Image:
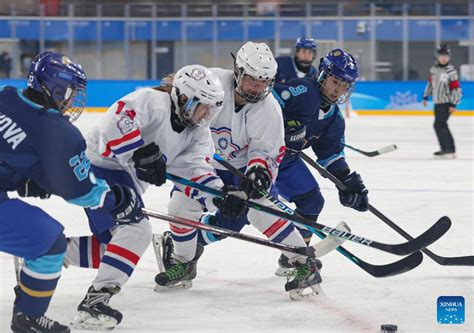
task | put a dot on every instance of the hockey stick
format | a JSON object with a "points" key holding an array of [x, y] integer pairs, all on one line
{"points": [[428, 237], [445, 261], [306, 251], [377, 152], [398, 267]]}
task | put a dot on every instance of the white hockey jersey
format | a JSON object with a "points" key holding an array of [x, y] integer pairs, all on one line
{"points": [[253, 135], [143, 117]]}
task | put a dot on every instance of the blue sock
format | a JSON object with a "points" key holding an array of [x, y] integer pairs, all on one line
{"points": [[38, 280]]}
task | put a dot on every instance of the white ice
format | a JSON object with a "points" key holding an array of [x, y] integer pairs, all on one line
{"points": [[236, 290]]}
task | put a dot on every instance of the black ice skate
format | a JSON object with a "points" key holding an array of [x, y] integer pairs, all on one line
{"points": [[23, 323], [285, 268], [445, 154], [95, 312], [304, 276], [173, 273]]}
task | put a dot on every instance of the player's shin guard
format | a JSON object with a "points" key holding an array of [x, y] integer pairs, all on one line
{"points": [[128, 243], [38, 280]]}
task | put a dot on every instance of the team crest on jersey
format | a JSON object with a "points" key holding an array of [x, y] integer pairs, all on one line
{"points": [[125, 124], [285, 94], [225, 147], [198, 74]]}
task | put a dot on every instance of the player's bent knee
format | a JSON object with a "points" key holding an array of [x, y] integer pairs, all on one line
{"points": [[183, 206], [309, 203], [52, 260]]}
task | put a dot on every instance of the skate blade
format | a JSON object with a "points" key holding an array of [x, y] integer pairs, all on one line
{"points": [[85, 321], [179, 286], [157, 242], [445, 157], [302, 293], [283, 272]]}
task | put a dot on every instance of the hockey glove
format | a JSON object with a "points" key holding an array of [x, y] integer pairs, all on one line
{"points": [[31, 189], [256, 179], [232, 205], [356, 196], [295, 133], [150, 165], [128, 208]]}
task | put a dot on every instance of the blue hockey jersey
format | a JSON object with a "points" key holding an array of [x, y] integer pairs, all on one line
{"points": [[44, 146], [300, 100], [287, 70]]}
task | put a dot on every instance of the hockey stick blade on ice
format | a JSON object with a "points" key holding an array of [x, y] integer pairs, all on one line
{"points": [[398, 267], [420, 242], [445, 261], [306, 251], [377, 152]]}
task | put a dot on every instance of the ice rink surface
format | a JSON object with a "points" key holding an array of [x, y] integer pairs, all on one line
{"points": [[236, 289]]}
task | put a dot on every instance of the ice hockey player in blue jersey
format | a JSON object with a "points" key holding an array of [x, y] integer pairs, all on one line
{"points": [[313, 119], [43, 154], [300, 65]]}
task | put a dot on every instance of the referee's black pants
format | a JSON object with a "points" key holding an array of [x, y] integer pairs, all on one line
{"points": [[445, 138]]}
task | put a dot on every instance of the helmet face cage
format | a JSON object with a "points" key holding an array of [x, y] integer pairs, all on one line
{"points": [[343, 84], [73, 106], [252, 96], [189, 110]]}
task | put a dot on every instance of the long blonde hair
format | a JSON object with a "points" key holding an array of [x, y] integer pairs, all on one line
{"points": [[166, 84]]}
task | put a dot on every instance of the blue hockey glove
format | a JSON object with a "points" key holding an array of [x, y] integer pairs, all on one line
{"points": [[232, 205], [356, 196], [128, 208], [150, 164], [31, 189], [295, 133], [256, 179]]}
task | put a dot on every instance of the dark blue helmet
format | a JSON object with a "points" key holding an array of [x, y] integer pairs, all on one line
{"points": [[342, 66], [61, 82], [443, 49], [305, 43]]}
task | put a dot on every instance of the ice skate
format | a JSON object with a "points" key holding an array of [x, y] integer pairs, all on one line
{"points": [[173, 273], [304, 280], [94, 311], [23, 323]]}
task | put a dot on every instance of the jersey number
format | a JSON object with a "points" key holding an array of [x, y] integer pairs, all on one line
{"points": [[81, 165]]}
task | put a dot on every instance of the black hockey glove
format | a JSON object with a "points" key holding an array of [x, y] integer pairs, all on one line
{"points": [[256, 179], [150, 165], [128, 208], [31, 189], [295, 133], [232, 205], [356, 196]]}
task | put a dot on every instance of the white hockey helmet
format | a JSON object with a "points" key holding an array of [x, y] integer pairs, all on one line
{"points": [[195, 85], [255, 61]]}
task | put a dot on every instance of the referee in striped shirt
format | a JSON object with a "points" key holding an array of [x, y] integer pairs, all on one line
{"points": [[443, 85]]}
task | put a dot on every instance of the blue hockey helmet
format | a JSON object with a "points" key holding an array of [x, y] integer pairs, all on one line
{"points": [[305, 43], [61, 81], [342, 67]]}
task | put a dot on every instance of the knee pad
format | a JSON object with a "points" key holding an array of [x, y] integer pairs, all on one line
{"points": [[183, 206], [309, 203], [51, 261]]}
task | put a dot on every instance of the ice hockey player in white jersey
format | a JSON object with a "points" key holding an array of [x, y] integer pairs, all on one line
{"points": [[142, 136], [249, 134]]}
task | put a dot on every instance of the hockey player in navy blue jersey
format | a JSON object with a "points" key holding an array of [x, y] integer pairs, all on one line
{"points": [[301, 64], [313, 119], [42, 153]]}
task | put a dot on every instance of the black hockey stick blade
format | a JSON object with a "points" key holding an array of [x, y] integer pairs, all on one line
{"points": [[377, 152], [450, 261], [395, 268], [431, 235], [306, 251]]}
